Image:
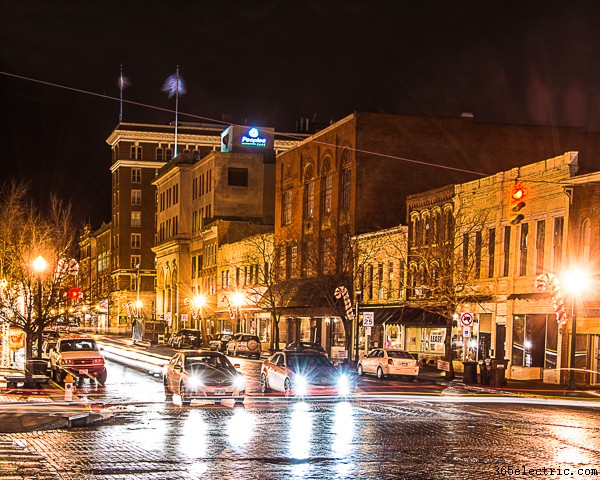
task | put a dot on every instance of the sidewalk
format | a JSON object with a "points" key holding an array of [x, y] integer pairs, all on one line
{"points": [[44, 408]]}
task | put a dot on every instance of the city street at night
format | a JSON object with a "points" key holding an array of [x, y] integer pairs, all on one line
{"points": [[367, 436]]}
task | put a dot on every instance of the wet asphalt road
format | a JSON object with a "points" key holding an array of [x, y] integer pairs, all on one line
{"points": [[272, 438]]}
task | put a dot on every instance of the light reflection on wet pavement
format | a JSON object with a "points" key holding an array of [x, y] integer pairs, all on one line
{"points": [[151, 438]]}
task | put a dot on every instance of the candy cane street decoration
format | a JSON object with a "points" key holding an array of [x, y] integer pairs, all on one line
{"points": [[229, 306], [548, 281], [342, 292]]}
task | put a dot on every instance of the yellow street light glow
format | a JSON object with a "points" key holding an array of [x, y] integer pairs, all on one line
{"points": [[138, 304], [40, 264], [237, 299], [576, 280], [199, 301]]}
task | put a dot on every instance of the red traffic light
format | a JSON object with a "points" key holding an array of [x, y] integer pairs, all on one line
{"points": [[74, 293]]}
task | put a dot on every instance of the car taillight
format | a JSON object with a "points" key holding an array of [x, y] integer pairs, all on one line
{"points": [[390, 361], [66, 361], [98, 361]]}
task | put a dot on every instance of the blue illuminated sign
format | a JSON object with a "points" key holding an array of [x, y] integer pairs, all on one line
{"points": [[253, 139]]}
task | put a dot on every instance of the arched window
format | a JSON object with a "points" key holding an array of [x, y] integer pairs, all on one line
{"points": [[326, 186], [586, 240], [345, 179], [309, 191]]}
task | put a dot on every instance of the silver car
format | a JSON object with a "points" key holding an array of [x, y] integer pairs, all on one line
{"points": [[205, 375]]}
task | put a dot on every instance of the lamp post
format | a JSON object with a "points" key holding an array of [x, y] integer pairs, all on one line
{"points": [[39, 266], [575, 281], [356, 327], [238, 300], [199, 302]]}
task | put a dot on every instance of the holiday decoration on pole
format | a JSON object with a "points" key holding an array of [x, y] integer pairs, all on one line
{"points": [[549, 281], [229, 306], [342, 292]]}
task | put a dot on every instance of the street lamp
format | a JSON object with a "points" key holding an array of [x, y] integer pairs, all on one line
{"points": [[199, 303], [237, 299], [575, 281], [39, 266]]}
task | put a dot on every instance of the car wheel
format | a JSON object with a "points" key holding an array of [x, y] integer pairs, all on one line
{"points": [[101, 378], [264, 386], [360, 370], [168, 392], [235, 354], [185, 400], [287, 387], [380, 374]]}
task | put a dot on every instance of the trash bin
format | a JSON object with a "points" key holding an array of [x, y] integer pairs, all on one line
{"points": [[498, 372], [484, 371], [470, 372], [37, 367]]}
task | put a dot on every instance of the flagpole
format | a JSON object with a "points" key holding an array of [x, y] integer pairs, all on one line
{"points": [[121, 95], [176, 105]]}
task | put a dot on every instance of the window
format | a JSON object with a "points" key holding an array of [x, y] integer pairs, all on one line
{"points": [[136, 261], [380, 281], [136, 197], [309, 192], [534, 341], [465, 251], [168, 153], [136, 219], [557, 242], [506, 252], [326, 186], [136, 175], [370, 282], [478, 245], [326, 263], [307, 264], [346, 180], [175, 194], [586, 239], [390, 292], [491, 251], [237, 177], [159, 154], [291, 253], [286, 208], [194, 266], [540, 241], [136, 153], [136, 240], [523, 249]]}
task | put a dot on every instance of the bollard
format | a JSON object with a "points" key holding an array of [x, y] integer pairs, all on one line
{"points": [[69, 388]]}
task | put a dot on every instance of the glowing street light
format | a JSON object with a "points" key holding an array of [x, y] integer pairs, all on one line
{"points": [[575, 281], [237, 300]]}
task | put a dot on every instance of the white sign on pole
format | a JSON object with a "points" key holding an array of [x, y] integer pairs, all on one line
{"points": [[367, 330], [466, 319], [184, 317], [368, 319]]}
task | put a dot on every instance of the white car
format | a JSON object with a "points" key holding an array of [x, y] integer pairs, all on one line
{"points": [[382, 363]]}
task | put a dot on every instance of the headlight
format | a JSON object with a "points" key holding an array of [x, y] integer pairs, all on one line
{"points": [[194, 382], [300, 385], [239, 382], [343, 385]]}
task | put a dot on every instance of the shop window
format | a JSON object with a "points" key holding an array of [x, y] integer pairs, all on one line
{"points": [[529, 347]]}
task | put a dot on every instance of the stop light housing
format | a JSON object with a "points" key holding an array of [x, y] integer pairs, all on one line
{"points": [[74, 293], [518, 194]]}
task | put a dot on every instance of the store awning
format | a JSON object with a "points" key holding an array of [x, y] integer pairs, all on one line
{"points": [[528, 296], [409, 316]]}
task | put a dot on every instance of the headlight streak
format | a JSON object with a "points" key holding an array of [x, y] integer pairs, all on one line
{"points": [[343, 385], [239, 382], [194, 435], [343, 429], [148, 363], [241, 428], [300, 385], [300, 431]]}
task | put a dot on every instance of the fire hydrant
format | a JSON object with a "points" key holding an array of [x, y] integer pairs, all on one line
{"points": [[69, 388]]}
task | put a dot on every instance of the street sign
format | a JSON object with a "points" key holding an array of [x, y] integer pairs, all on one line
{"points": [[184, 317], [368, 319], [466, 319], [467, 332], [367, 330]]}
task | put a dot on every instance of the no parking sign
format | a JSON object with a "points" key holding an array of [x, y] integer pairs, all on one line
{"points": [[466, 319]]}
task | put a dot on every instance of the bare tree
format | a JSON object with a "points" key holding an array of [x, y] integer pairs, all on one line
{"points": [[30, 298]]}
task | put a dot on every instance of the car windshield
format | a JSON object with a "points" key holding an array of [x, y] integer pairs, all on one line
{"points": [[306, 362], [77, 345], [201, 361], [398, 354]]}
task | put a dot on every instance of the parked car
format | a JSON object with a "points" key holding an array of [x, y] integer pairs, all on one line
{"points": [[203, 374], [303, 373], [383, 362], [220, 341], [186, 338], [78, 356], [244, 344], [306, 347]]}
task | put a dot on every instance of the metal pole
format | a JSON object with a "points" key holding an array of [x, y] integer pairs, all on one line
{"points": [[573, 345], [356, 328]]}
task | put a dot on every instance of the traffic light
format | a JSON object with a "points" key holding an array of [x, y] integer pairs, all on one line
{"points": [[74, 293], [517, 196]]}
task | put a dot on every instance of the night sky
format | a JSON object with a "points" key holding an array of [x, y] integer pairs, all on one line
{"points": [[271, 63]]}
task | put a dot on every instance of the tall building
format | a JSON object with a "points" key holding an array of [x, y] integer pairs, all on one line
{"points": [[139, 151]]}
